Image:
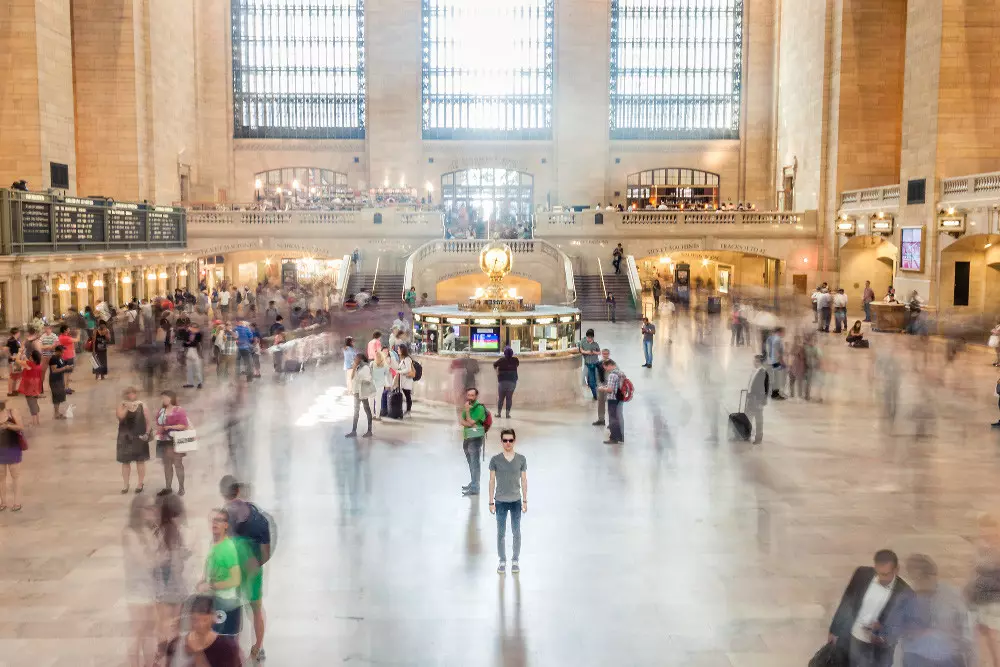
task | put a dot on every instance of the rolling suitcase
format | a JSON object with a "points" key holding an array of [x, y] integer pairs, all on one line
{"points": [[738, 421], [396, 404]]}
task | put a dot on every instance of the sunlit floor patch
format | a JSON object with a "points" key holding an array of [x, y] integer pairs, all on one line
{"points": [[332, 406]]}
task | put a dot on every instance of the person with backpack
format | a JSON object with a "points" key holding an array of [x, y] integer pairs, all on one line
{"points": [[475, 420], [253, 532], [406, 375], [619, 390]]}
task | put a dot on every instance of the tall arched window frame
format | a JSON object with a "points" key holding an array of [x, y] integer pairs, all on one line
{"points": [[488, 69], [676, 69], [298, 69]]}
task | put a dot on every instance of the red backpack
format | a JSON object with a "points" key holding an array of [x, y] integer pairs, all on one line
{"points": [[488, 422], [625, 391]]}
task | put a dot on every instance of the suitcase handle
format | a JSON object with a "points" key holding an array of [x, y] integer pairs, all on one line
{"points": [[744, 395]]}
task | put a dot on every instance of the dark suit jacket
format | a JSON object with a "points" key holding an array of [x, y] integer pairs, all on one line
{"points": [[850, 605]]}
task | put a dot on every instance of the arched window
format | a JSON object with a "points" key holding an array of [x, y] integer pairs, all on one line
{"points": [[495, 195], [676, 69], [673, 187]]}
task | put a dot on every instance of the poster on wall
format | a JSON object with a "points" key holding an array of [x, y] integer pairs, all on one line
{"points": [[911, 248]]}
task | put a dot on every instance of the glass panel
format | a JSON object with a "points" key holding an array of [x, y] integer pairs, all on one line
{"points": [[298, 69], [487, 68], [676, 69]]}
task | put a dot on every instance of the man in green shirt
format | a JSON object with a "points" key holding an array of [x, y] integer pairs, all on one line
{"points": [[223, 577], [473, 433]]}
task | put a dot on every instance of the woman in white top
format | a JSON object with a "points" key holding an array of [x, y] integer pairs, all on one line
{"points": [[404, 375], [363, 388], [380, 375]]}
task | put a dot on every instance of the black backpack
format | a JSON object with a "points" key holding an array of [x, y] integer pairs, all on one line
{"points": [[418, 371]]}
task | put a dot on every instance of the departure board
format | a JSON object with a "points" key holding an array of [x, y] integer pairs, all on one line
{"points": [[35, 222], [126, 224]]}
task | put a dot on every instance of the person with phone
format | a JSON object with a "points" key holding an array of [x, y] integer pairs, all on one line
{"points": [[472, 419], [508, 495]]}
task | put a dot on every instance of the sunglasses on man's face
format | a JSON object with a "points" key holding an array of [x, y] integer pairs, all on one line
{"points": [[507, 440]]}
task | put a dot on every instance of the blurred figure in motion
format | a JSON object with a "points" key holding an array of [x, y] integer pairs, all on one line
{"points": [[814, 366], [889, 376], [935, 621], [202, 646], [776, 362], [380, 378], [170, 556], [797, 367], [235, 424], [506, 368], [139, 548], [983, 591], [757, 395], [868, 620], [193, 362]]}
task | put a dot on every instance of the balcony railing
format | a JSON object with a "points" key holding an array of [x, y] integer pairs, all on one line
{"points": [[882, 197], [981, 188], [604, 223], [366, 222]]}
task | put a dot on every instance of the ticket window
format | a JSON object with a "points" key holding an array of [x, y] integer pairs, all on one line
{"points": [[555, 336], [517, 337]]}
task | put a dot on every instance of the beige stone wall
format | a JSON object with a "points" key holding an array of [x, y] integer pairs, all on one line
{"points": [[213, 68], [55, 88]]}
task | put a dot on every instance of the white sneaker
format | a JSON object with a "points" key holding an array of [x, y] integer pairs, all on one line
{"points": [[515, 567], [502, 567]]}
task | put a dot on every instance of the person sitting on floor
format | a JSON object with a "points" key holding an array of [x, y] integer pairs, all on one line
{"points": [[854, 335]]}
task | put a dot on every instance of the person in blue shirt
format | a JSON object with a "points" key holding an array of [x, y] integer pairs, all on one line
{"points": [[244, 345], [349, 354]]}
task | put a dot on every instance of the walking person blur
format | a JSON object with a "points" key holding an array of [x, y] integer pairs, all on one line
{"points": [[380, 378], [170, 554], [349, 354], [611, 388], [797, 367], [591, 350], [202, 646], [139, 543], [776, 362], [935, 620], [824, 303], [11, 454], [609, 301], [648, 331], [602, 396], [223, 577], [363, 388], [169, 418], [994, 341], [472, 419], [656, 293], [193, 362], [133, 438], [13, 370], [508, 495], [506, 368], [59, 370], [101, 340], [983, 590], [866, 300]]}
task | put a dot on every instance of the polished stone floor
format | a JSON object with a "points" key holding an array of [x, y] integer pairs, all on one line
{"points": [[674, 549]]}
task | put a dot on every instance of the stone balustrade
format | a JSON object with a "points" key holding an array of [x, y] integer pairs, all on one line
{"points": [[882, 198], [363, 223], [974, 189], [626, 224]]}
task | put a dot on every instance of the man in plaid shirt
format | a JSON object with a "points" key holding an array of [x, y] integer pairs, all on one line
{"points": [[225, 341], [613, 382]]}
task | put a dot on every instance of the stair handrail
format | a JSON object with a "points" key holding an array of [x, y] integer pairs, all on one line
{"points": [[375, 278], [343, 278], [635, 285], [570, 279], [600, 271]]}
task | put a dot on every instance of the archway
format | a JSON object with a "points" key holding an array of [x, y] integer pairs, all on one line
{"points": [[970, 277], [301, 187], [676, 187], [476, 197], [866, 258], [718, 272]]}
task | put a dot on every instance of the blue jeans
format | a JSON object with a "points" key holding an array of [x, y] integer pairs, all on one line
{"points": [[514, 508], [473, 447], [592, 378], [868, 311], [840, 318], [647, 349], [616, 422]]}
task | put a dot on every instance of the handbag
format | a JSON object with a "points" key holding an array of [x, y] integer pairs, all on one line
{"points": [[828, 656], [22, 441], [94, 363], [185, 441]]}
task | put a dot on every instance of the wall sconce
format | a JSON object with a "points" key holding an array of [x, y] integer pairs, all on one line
{"points": [[183, 273], [82, 284], [163, 274], [98, 283], [63, 287], [257, 184], [151, 276], [126, 279]]}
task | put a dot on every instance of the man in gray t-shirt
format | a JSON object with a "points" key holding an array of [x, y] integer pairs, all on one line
{"points": [[508, 495], [648, 330]]}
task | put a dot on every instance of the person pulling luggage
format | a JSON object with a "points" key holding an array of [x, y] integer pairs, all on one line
{"points": [[757, 394]]}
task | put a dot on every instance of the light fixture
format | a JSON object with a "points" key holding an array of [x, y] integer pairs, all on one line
{"points": [[843, 216], [267, 262], [430, 187], [881, 215], [295, 184], [126, 279], [312, 191], [664, 260], [82, 284], [98, 283], [987, 246], [951, 210], [704, 262], [151, 276], [183, 272], [805, 260], [63, 287], [163, 274], [257, 184]]}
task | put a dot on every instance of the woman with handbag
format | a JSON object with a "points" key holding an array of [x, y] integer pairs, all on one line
{"points": [[404, 375], [12, 445], [133, 438], [170, 418], [31, 384], [994, 342]]}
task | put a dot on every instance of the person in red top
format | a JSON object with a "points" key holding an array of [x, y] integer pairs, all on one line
{"points": [[31, 383], [69, 350]]}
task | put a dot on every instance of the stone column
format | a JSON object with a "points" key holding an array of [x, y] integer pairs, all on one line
{"points": [[47, 297]]}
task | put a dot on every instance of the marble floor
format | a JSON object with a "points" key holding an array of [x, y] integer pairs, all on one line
{"points": [[674, 549]]}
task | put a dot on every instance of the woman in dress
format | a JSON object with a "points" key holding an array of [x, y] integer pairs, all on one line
{"points": [[101, 341], [404, 375], [139, 549], [31, 384], [58, 370], [133, 438], [170, 417], [10, 458]]}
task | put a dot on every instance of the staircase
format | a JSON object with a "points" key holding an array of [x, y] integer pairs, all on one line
{"points": [[388, 288], [590, 296]]}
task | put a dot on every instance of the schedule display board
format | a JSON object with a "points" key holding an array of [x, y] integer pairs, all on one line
{"points": [[40, 223]]}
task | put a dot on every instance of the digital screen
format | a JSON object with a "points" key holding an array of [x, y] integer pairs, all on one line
{"points": [[486, 339], [911, 248]]}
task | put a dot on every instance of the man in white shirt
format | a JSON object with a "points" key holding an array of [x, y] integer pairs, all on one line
{"points": [[224, 303], [840, 310], [867, 623], [823, 305], [815, 303]]}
